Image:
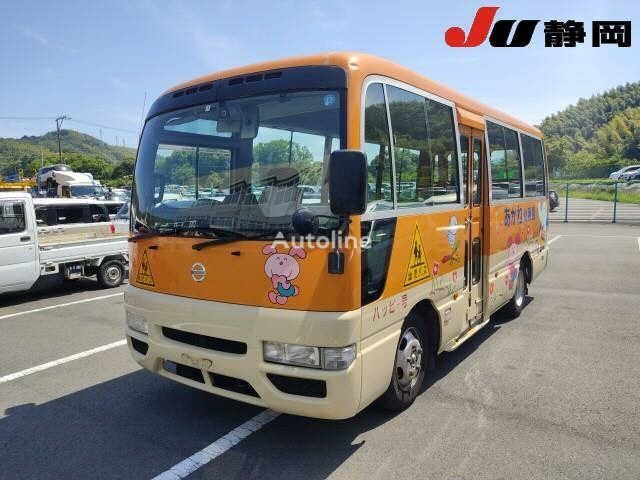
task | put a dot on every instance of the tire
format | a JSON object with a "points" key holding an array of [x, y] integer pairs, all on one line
{"points": [[110, 274], [516, 304], [409, 366]]}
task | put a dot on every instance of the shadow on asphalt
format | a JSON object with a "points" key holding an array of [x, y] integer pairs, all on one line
{"points": [[134, 426], [51, 288], [139, 425]]}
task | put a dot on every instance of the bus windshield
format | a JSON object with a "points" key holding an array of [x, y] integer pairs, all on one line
{"points": [[241, 165]]}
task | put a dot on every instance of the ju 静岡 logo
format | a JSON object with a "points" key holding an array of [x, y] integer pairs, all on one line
{"points": [[568, 33]]}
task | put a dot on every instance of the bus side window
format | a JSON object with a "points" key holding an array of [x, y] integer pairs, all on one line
{"points": [[476, 188], [410, 148], [425, 150], [476, 261], [375, 256], [514, 167], [377, 148], [442, 143], [464, 157], [533, 160], [506, 172]]}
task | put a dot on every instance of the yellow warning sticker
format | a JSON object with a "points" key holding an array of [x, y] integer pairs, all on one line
{"points": [[418, 268], [144, 272]]}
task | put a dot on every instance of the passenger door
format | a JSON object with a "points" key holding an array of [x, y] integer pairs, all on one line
{"points": [[18, 252], [472, 148]]}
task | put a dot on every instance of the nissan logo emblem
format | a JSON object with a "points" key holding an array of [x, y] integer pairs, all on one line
{"points": [[198, 272]]}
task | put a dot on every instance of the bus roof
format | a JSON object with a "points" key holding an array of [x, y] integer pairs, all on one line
{"points": [[361, 65]]}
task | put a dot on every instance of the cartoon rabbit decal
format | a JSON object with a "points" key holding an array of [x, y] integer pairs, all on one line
{"points": [[281, 268]]}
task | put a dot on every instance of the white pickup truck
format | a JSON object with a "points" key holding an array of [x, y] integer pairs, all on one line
{"points": [[28, 252]]}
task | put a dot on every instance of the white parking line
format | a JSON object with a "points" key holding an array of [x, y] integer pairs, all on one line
{"points": [[60, 361], [638, 243], [59, 305], [554, 239], [217, 448]]}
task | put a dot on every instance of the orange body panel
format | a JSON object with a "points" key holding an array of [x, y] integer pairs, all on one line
{"points": [[235, 273]]}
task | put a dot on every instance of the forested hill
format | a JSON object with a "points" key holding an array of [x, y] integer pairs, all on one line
{"points": [[83, 152], [76, 142], [596, 135]]}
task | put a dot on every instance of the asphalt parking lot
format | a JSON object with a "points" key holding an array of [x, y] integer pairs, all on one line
{"points": [[552, 394]]}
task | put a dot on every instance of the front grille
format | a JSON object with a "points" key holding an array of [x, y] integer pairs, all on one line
{"points": [[304, 387], [183, 371], [233, 384], [204, 341], [139, 346]]}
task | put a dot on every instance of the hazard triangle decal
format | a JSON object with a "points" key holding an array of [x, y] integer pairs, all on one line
{"points": [[417, 269], [144, 276]]}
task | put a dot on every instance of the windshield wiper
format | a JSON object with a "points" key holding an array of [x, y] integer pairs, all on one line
{"points": [[236, 236]]}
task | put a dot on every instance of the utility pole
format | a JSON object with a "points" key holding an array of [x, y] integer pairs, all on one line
{"points": [[59, 121]]}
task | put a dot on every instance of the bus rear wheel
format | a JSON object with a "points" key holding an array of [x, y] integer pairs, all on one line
{"points": [[516, 304], [409, 366]]}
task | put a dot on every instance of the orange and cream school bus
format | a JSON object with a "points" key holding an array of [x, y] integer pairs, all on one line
{"points": [[308, 234]]}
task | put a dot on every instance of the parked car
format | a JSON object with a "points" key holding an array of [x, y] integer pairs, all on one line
{"points": [[554, 200], [618, 173], [634, 175], [629, 174]]}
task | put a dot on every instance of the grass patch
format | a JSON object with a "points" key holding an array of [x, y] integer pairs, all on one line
{"points": [[604, 195]]}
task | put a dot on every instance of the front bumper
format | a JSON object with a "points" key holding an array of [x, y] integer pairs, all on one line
{"points": [[250, 326]]}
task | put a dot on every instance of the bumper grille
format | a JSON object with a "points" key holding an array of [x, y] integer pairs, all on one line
{"points": [[204, 341], [139, 346], [303, 387], [232, 384], [183, 371]]}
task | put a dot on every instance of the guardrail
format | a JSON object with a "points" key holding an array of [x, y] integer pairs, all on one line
{"points": [[614, 201]]}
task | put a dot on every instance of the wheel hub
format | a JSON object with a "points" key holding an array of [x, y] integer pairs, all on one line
{"points": [[408, 359], [520, 289], [113, 273]]}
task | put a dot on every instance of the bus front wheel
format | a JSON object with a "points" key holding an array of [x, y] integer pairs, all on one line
{"points": [[409, 366]]}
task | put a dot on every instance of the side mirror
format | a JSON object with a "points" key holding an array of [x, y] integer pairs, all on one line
{"points": [[348, 182]]}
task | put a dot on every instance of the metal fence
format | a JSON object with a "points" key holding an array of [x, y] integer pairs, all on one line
{"points": [[597, 201]]}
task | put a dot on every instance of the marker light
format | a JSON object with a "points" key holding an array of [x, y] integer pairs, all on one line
{"points": [[338, 358], [137, 323]]}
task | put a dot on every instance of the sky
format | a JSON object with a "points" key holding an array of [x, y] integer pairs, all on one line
{"points": [[103, 63]]}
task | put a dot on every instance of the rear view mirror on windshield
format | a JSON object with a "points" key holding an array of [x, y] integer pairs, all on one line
{"points": [[348, 182]]}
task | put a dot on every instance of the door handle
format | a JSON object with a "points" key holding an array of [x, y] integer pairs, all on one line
{"points": [[25, 239]]}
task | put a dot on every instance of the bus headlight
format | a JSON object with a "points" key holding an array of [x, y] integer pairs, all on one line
{"points": [[291, 354], [137, 323], [328, 358]]}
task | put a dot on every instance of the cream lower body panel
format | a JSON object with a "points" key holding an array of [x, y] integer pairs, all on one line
{"points": [[251, 325]]}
